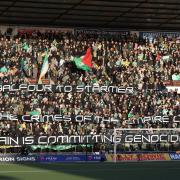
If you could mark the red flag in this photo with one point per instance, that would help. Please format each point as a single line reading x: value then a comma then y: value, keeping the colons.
x: 87, y: 59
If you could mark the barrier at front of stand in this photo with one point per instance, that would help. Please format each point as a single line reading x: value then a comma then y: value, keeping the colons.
x: 50, y: 158
x: 121, y: 157
x: 133, y: 157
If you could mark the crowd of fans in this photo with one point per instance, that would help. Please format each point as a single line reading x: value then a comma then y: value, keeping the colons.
x: 127, y: 61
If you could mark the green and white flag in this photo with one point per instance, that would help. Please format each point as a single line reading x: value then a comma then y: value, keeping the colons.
x: 44, y: 68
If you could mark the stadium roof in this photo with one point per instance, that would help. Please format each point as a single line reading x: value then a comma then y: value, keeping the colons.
x: 124, y: 14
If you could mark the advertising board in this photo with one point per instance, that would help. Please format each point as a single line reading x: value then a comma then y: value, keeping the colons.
x: 174, y: 156
x: 139, y: 157
x: 49, y: 158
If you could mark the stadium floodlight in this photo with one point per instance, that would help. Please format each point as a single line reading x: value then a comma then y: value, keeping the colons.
x: 139, y: 135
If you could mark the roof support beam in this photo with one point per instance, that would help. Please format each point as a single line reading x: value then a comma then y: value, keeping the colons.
x: 60, y: 15
x: 115, y: 18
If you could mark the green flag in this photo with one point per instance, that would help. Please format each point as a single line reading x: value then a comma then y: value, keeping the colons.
x: 3, y: 69
x: 25, y: 46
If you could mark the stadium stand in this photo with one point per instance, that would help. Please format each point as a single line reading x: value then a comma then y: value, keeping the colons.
x: 88, y: 86
x: 126, y: 60
x: 120, y: 57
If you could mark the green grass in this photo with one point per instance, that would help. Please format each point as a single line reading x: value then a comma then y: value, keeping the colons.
x: 91, y: 171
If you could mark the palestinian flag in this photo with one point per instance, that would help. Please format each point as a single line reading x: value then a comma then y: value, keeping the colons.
x: 44, y: 68
x: 84, y: 62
